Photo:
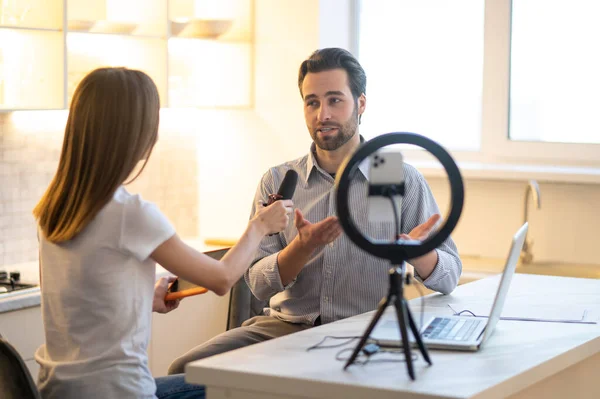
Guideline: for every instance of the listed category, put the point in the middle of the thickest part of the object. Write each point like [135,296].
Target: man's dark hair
[333,58]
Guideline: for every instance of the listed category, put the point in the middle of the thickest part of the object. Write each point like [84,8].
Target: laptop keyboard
[451,329]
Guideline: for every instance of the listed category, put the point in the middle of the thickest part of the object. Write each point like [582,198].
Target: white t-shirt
[97,292]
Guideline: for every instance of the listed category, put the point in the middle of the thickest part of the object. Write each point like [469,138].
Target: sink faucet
[534,189]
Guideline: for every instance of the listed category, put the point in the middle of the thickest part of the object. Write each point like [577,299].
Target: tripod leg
[382,305]
[416,332]
[401,313]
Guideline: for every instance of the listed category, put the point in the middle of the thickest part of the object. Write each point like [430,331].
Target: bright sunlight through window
[424,65]
[555,71]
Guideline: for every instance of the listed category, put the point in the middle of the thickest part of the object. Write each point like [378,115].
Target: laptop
[458,332]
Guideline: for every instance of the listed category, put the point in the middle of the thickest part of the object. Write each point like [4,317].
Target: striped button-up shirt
[340,280]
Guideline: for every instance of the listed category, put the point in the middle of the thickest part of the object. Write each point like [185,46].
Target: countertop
[30,274]
[474,268]
[487,266]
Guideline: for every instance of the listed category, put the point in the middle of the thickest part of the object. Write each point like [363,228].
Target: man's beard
[345,132]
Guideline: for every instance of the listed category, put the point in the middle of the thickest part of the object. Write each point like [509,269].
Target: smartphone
[181,288]
[385,168]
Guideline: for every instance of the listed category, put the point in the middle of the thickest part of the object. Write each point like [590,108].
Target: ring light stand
[400,251]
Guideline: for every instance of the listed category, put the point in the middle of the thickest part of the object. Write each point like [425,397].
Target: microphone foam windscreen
[288,185]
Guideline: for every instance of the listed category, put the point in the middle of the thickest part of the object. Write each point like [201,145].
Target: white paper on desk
[541,312]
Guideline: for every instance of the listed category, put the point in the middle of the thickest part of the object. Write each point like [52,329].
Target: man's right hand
[314,235]
[310,236]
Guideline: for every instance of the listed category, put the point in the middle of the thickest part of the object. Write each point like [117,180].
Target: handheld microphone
[286,189]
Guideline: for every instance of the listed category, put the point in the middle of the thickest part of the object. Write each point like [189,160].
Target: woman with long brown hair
[99,245]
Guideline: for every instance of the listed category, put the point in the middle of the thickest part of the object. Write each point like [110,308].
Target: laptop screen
[509,270]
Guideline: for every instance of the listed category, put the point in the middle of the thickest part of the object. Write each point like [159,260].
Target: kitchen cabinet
[199,53]
[196,320]
[31,54]
[24,330]
[209,72]
[87,52]
[32,14]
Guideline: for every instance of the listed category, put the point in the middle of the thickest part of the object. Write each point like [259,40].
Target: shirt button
[326,299]
[331,244]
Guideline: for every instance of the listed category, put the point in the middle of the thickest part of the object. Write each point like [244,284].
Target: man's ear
[362,103]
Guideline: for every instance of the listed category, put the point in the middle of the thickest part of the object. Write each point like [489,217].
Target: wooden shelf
[24,28]
[48,49]
[134,17]
[115,34]
[32,14]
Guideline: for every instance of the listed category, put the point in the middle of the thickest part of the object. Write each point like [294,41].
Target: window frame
[499,156]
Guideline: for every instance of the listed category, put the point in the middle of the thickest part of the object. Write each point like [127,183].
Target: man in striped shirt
[312,273]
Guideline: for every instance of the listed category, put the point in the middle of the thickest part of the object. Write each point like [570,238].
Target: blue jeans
[175,387]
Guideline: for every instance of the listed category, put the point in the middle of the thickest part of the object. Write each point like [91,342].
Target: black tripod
[396,296]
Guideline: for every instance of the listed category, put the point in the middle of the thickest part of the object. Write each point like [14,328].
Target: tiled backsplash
[30,146]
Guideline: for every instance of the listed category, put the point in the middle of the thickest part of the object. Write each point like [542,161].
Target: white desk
[521,359]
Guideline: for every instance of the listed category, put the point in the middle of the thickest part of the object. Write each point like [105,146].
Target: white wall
[565,229]
[242,145]
[287,31]
[336,20]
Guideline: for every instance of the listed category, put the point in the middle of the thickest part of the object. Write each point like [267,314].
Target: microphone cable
[367,353]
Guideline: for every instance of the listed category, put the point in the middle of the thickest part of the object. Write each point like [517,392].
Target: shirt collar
[312,162]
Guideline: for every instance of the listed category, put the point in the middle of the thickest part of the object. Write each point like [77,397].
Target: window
[424,63]
[555,71]
[452,71]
